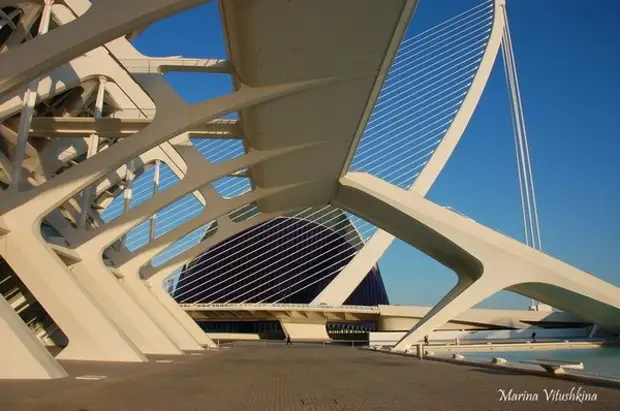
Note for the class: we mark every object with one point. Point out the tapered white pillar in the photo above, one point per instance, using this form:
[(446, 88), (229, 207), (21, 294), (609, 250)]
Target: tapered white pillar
[(153, 226), (30, 99), (462, 297), (172, 307), (141, 292), (93, 147), (22, 354), (128, 192), (123, 307), (92, 333)]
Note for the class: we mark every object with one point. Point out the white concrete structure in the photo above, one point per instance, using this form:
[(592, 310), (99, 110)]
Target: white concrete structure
[(390, 320), (302, 116)]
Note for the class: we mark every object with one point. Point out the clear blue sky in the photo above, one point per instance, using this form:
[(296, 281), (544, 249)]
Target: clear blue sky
[(568, 59)]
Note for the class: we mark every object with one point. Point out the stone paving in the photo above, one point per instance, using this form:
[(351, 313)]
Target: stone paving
[(298, 378)]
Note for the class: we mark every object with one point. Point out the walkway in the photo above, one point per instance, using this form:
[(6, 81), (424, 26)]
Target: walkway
[(300, 378)]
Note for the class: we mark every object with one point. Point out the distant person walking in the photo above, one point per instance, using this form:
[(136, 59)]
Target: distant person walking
[(426, 340), (534, 336), (288, 340)]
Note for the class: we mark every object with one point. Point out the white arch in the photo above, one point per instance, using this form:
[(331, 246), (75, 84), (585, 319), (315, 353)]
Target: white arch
[(352, 275)]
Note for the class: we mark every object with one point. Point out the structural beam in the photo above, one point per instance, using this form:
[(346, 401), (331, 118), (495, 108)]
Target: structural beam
[(152, 227), (485, 260), (72, 127), (30, 13), (166, 64), (30, 98), (93, 148)]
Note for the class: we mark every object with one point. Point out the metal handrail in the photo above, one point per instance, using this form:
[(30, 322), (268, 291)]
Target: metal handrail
[(492, 228), (224, 342), (154, 64), (138, 113), (283, 306), (149, 113), (459, 213)]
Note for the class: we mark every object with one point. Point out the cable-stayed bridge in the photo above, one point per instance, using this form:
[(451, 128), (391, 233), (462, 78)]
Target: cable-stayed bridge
[(285, 191)]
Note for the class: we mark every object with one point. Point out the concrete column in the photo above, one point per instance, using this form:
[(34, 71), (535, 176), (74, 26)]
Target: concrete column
[(170, 318), (463, 296), (130, 269), (93, 148), (122, 306), (128, 192), (30, 98), (168, 322), (92, 334), (156, 276), (485, 260), (155, 190), (22, 354), (173, 310)]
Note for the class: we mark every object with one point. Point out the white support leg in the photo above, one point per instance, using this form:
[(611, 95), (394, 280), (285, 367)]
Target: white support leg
[(92, 334), (181, 316), (93, 148), (30, 98), (128, 192), (165, 316), (485, 260), (462, 297), (22, 137), (123, 308), (22, 355), (156, 276), (153, 226), (351, 276)]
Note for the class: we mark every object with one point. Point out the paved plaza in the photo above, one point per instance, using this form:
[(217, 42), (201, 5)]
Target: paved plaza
[(302, 377)]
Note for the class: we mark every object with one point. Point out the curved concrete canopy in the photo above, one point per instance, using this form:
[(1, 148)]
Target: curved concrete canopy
[(305, 82), (345, 83)]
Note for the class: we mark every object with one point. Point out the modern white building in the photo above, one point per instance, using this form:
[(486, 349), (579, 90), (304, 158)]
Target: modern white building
[(325, 119)]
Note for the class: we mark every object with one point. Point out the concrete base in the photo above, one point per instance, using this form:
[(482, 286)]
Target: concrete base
[(300, 331)]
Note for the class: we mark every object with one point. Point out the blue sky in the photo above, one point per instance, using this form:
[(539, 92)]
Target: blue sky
[(568, 62)]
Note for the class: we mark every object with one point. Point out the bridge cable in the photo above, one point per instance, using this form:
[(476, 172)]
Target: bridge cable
[(524, 165)]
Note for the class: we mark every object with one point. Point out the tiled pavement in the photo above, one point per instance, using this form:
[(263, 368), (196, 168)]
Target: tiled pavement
[(298, 378)]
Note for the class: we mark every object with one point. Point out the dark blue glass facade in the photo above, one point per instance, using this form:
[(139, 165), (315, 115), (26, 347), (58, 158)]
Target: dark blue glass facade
[(285, 260)]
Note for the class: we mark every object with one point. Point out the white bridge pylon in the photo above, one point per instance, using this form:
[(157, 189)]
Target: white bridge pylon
[(103, 288), (489, 269)]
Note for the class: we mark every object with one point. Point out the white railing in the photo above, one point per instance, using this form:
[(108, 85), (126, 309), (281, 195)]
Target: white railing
[(153, 65), (133, 113), (250, 306), (471, 219), (149, 113), (459, 213)]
